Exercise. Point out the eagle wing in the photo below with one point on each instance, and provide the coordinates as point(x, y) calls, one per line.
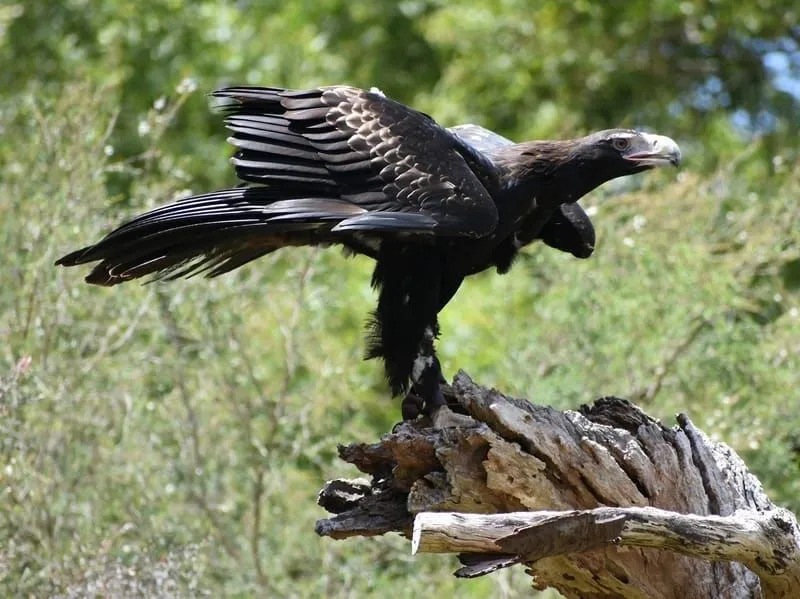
point(480, 138)
point(327, 165)
point(397, 164)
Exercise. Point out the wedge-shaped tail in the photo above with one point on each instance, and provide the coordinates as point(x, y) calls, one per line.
point(212, 234)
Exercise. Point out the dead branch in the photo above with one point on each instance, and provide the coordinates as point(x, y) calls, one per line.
point(601, 502)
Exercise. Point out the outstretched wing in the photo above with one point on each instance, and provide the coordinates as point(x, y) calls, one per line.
point(398, 164)
point(329, 163)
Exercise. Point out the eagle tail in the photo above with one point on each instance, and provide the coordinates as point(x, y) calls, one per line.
point(210, 234)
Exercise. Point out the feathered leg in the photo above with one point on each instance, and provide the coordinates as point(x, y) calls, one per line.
point(404, 325)
point(426, 380)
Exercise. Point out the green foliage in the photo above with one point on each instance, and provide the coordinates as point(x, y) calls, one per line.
point(168, 440)
point(525, 69)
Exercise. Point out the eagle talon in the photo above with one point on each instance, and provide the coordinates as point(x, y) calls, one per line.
point(433, 403)
point(415, 406)
point(412, 407)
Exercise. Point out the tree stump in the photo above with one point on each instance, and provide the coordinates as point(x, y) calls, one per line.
point(598, 503)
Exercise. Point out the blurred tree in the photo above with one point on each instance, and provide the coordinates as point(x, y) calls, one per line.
point(667, 65)
point(697, 69)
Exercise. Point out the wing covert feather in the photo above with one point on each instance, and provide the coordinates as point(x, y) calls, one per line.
point(373, 151)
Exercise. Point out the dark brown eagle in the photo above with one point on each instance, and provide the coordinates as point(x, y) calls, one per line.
point(340, 165)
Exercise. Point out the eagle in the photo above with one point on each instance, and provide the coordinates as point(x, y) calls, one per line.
point(431, 206)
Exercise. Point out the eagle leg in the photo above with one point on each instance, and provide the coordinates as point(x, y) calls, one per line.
point(404, 325)
point(426, 395)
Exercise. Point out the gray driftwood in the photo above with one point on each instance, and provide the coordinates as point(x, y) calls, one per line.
point(603, 502)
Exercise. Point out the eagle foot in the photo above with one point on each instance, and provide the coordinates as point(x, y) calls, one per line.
point(415, 405)
point(412, 406)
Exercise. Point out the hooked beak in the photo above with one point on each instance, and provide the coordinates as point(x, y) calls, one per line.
point(661, 150)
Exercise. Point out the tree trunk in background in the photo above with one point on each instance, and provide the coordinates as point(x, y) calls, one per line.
point(603, 502)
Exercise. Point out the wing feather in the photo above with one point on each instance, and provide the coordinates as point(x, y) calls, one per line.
point(367, 148)
point(330, 162)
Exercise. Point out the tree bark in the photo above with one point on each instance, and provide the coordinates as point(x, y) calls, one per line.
point(599, 503)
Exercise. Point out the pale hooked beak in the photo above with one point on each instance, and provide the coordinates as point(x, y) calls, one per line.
point(661, 150)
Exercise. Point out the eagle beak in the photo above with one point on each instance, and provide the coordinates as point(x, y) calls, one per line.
point(659, 150)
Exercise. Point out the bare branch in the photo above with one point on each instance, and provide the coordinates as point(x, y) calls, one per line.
point(649, 393)
point(766, 542)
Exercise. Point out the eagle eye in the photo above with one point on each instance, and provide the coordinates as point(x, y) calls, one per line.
point(621, 143)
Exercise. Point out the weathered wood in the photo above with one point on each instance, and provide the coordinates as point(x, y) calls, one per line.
point(766, 542)
point(602, 502)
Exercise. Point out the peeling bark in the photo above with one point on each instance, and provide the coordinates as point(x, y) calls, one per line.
point(598, 503)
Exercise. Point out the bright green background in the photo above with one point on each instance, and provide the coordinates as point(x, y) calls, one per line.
point(169, 440)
